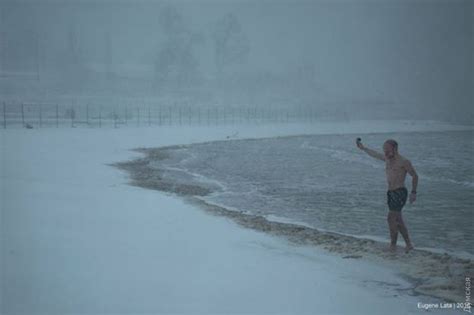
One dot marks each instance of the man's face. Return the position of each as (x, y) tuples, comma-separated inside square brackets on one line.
[(389, 151)]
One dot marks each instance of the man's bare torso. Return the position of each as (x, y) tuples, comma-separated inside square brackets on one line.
[(396, 172)]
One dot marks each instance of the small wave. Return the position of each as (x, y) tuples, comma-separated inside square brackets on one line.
[(463, 183), (306, 145), (207, 201), (215, 184), (438, 162), (468, 184), (279, 219), (206, 180), (351, 157), (342, 155)]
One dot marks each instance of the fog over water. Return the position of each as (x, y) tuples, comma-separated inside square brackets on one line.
[(369, 59)]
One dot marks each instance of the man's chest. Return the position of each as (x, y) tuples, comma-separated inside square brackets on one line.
[(394, 168)]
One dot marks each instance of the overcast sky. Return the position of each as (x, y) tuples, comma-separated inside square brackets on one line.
[(417, 50)]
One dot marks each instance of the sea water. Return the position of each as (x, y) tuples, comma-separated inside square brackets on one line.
[(326, 182)]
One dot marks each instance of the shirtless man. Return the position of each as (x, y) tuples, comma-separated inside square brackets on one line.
[(396, 169)]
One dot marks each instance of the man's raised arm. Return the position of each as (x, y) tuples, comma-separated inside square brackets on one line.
[(372, 153)]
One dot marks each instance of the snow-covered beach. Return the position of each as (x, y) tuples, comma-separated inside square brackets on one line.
[(77, 238)]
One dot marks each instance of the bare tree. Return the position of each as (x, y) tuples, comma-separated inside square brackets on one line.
[(73, 41), (108, 56), (230, 42), (176, 62)]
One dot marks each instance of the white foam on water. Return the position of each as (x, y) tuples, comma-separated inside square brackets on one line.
[(442, 179), (342, 155), (208, 201), (279, 219), (463, 183), (352, 157), (196, 176)]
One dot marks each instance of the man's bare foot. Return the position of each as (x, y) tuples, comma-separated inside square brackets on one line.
[(408, 248), (392, 248)]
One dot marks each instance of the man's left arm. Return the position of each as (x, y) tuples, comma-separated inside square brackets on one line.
[(414, 182)]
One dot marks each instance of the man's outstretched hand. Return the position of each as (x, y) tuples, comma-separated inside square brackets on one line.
[(412, 198)]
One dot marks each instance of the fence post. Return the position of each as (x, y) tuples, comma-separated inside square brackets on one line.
[(149, 116), (138, 116), (40, 115), (4, 115), (23, 114), (87, 114), (73, 113), (160, 115), (57, 115)]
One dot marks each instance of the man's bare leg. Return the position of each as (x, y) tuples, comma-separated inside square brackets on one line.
[(393, 228), (404, 231)]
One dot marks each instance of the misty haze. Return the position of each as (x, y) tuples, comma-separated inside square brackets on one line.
[(343, 59), (236, 156)]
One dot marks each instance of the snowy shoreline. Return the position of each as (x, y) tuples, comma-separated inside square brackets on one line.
[(76, 238), (420, 266)]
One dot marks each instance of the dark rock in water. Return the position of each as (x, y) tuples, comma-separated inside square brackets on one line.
[(28, 126)]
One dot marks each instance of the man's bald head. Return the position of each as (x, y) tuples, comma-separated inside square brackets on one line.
[(392, 142), (390, 148)]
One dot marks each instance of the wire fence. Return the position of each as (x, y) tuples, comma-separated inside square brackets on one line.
[(49, 115)]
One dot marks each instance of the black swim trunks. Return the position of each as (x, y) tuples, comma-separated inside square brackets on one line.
[(397, 198)]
